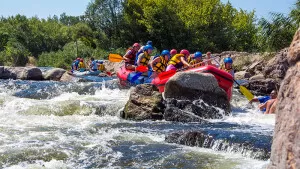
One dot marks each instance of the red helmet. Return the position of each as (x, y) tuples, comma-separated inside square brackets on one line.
[(185, 52), (173, 52), (78, 59), (136, 45)]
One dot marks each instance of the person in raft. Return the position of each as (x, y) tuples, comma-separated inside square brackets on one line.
[(208, 60), (228, 65), (75, 64), (179, 60), (144, 58), (159, 64), (173, 52), (195, 59), (93, 65), (266, 102), (81, 65), (101, 66), (130, 55)]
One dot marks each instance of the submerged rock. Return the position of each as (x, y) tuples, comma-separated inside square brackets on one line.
[(145, 102), (194, 96), (222, 142)]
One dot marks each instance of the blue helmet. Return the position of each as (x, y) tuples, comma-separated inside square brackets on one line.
[(165, 52), (228, 60), (148, 47), (101, 61), (197, 55), (149, 42)]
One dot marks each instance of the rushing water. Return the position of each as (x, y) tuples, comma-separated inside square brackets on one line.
[(77, 125)]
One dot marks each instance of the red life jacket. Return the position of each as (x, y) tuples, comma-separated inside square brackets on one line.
[(131, 56)]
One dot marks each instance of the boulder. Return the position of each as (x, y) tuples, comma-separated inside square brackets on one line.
[(242, 75), (257, 77), (285, 148), (194, 94), (24, 73), (66, 77), (113, 67), (294, 50), (277, 66), (263, 86), (32, 73), (54, 74), (145, 102)]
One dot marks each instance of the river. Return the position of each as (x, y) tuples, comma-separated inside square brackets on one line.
[(57, 125)]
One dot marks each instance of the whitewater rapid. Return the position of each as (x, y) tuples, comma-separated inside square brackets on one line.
[(77, 125)]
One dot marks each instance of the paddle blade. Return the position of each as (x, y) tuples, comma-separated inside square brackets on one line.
[(115, 57), (167, 74), (246, 93), (141, 69)]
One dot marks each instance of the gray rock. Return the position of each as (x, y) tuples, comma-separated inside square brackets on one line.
[(257, 77), (263, 87), (66, 77), (242, 75), (277, 66), (54, 74), (32, 73), (24, 73), (145, 102), (194, 96)]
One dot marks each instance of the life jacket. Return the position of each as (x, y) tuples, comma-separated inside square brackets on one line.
[(160, 66), (145, 58), (230, 71), (81, 65), (194, 62), (175, 60), (101, 67), (131, 56)]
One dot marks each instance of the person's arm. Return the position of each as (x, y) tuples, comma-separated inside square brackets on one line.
[(184, 62), (139, 59), (254, 100), (262, 106), (127, 54)]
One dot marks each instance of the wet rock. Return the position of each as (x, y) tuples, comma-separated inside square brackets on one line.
[(294, 50), (221, 142), (276, 68), (112, 67), (242, 75), (66, 77), (54, 74), (24, 73), (145, 102), (286, 145), (196, 93), (263, 86)]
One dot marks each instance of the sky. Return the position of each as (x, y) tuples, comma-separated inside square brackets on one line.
[(45, 8)]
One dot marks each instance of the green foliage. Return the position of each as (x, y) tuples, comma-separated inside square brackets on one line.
[(14, 54)]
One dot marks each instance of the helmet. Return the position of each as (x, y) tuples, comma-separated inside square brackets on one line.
[(185, 52), (136, 45), (101, 61), (148, 47), (173, 52), (81, 60), (228, 60), (197, 55), (165, 52), (78, 59), (149, 43), (208, 53)]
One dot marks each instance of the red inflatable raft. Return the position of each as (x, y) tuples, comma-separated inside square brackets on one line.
[(225, 80)]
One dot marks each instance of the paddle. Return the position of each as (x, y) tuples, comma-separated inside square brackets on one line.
[(245, 91), (140, 70), (115, 57)]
